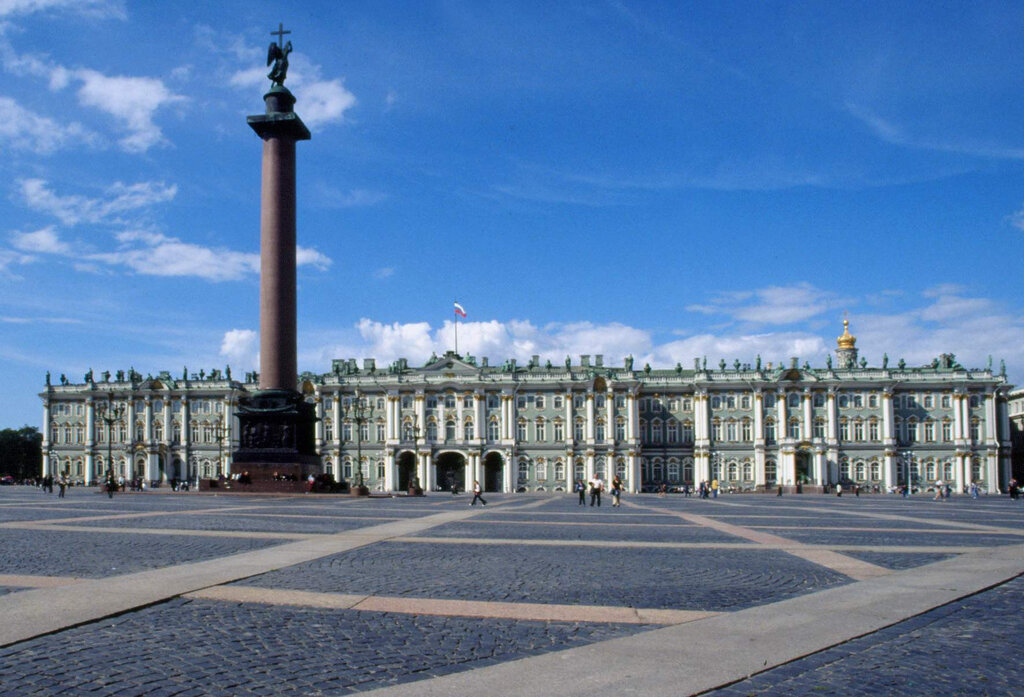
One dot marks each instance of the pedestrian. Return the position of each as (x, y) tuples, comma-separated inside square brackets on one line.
[(63, 484), (839, 489), (714, 488), (596, 485), (310, 481), (938, 491), (779, 492), (476, 494), (616, 491), (111, 485), (581, 489), (1014, 489), (856, 490)]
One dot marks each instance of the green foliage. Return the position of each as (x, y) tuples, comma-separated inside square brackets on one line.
[(21, 452)]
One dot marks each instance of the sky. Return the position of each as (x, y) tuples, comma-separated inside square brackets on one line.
[(662, 180)]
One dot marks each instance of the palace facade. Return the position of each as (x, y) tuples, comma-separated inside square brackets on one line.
[(538, 427)]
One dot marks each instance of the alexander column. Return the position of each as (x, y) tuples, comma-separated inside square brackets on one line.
[(276, 424)]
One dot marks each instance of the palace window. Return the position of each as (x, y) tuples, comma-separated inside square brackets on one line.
[(599, 401), (745, 401), (975, 430), (599, 431), (432, 430), (656, 432), (539, 402), (328, 430), (381, 432), (449, 430), (469, 430), (493, 430), (716, 402), (947, 431), (578, 430), (599, 467), (873, 430), (364, 431), (873, 400), (794, 429), (541, 469), (688, 470), (577, 401), (844, 401), (521, 430), (673, 471), (769, 400), (558, 401), (929, 401), (559, 431), (819, 399), (467, 401), (730, 431), (858, 430), (407, 401), (819, 428), (687, 404), (158, 431), (492, 401), (687, 432), (579, 469), (559, 471), (912, 431), (524, 470), (521, 402), (407, 430), (673, 431), (449, 401), (844, 430), (770, 472), (432, 402), (716, 430), (946, 401), (769, 431), (541, 430), (794, 400), (929, 431)]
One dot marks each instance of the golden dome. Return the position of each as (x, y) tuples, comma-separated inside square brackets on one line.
[(847, 340)]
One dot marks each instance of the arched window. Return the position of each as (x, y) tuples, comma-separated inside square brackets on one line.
[(947, 470), (541, 429), (524, 470), (716, 430), (844, 469), (688, 470), (559, 470), (929, 470), (468, 429), (521, 430), (975, 430), (621, 469), (407, 430), (747, 430), (769, 431), (578, 430), (158, 431), (733, 471), (672, 431), (770, 472), (859, 471), (328, 430), (976, 470), (730, 430), (432, 430), (599, 431), (656, 431), (579, 469), (657, 470), (876, 471), (449, 430), (493, 430), (794, 428), (687, 432), (541, 468)]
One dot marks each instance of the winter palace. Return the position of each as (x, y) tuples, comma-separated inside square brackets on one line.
[(539, 426)]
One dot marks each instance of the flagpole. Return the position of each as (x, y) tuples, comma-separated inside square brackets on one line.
[(456, 333)]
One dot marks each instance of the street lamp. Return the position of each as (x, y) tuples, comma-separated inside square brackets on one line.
[(908, 458), (219, 432), (360, 413), (110, 415)]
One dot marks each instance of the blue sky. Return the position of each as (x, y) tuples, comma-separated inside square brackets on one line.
[(666, 180)]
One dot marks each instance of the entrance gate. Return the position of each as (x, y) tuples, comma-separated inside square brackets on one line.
[(450, 469)]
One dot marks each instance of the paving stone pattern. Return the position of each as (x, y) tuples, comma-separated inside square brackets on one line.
[(244, 649), (88, 555), (964, 646), (898, 561), (562, 530), (241, 521), (652, 578)]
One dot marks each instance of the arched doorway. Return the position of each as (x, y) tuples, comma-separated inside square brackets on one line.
[(406, 470), (450, 469), (493, 466), (804, 467)]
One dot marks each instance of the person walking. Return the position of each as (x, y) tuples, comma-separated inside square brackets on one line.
[(839, 489), (476, 494), (714, 488), (938, 491), (63, 484), (616, 491), (581, 488)]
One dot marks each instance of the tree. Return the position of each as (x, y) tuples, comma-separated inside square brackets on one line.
[(21, 452)]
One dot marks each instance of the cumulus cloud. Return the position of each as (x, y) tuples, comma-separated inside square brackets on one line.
[(241, 348), (73, 209), (771, 305), (157, 255), (131, 100), (45, 241), (311, 257), (9, 258), (21, 129)]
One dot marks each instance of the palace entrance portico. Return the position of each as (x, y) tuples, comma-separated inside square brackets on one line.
[(493, 474), (450, 471)]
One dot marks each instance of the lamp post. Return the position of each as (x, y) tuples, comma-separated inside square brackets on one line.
[(219, 432), (908, 458), (110, 415), (359, 413)]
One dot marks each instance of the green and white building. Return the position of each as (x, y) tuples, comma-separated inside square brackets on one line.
[(539, 426)]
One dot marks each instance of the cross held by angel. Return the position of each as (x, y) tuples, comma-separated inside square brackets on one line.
[(278, 56)]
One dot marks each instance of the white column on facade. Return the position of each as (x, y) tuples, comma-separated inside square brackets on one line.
[(782, 428), (992, 472), (505, 416), (887, 417), (758, 418), (632, 418), (185, 437), (421, 423), (130, 416), (889, 470), (147, 424), (700, 417), (90, 422), (609, 418), (47, 443), (590, 465), (962, 471), (634, 471), (808, 428), (479, 425), (337, 426), (318, 400), (569, 425), (832, 418), (89, 464), (460, 434), (425, 474), (509, 466), (958, 417), (991, 423), (389, 470), (168, 430), (590, 417)]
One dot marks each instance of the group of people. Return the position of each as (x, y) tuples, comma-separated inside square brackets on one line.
[(595, 487)]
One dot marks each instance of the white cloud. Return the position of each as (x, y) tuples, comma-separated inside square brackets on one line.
[(9, 258), (325, 102), (332, 198), (1017, 219), (21, 129), (74, 209), (241, 348), (156, 255), (311, 257), (44, 241), (100, 8), (772, 305), (131, 100), (384, 272)]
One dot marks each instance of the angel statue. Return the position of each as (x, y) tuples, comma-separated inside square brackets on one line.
[(279, 57)]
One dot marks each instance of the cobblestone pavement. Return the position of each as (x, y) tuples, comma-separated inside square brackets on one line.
[(521, 549), (220, 648), (958, 649), (654, 578)]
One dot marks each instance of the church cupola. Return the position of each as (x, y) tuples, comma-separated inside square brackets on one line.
[(846, 347)]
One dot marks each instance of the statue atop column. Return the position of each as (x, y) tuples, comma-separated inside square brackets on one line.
[(278, 56)]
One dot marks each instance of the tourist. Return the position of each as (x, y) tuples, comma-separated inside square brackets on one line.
[(63, 484), (617, 491), (596, 486), (581, 489), (714, 488), (839, 489), (476, 494), (938, 491)]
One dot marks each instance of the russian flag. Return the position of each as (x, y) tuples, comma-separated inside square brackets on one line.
[(459, 311)]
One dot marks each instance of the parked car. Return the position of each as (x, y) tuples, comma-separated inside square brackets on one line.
[(7, 481)]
